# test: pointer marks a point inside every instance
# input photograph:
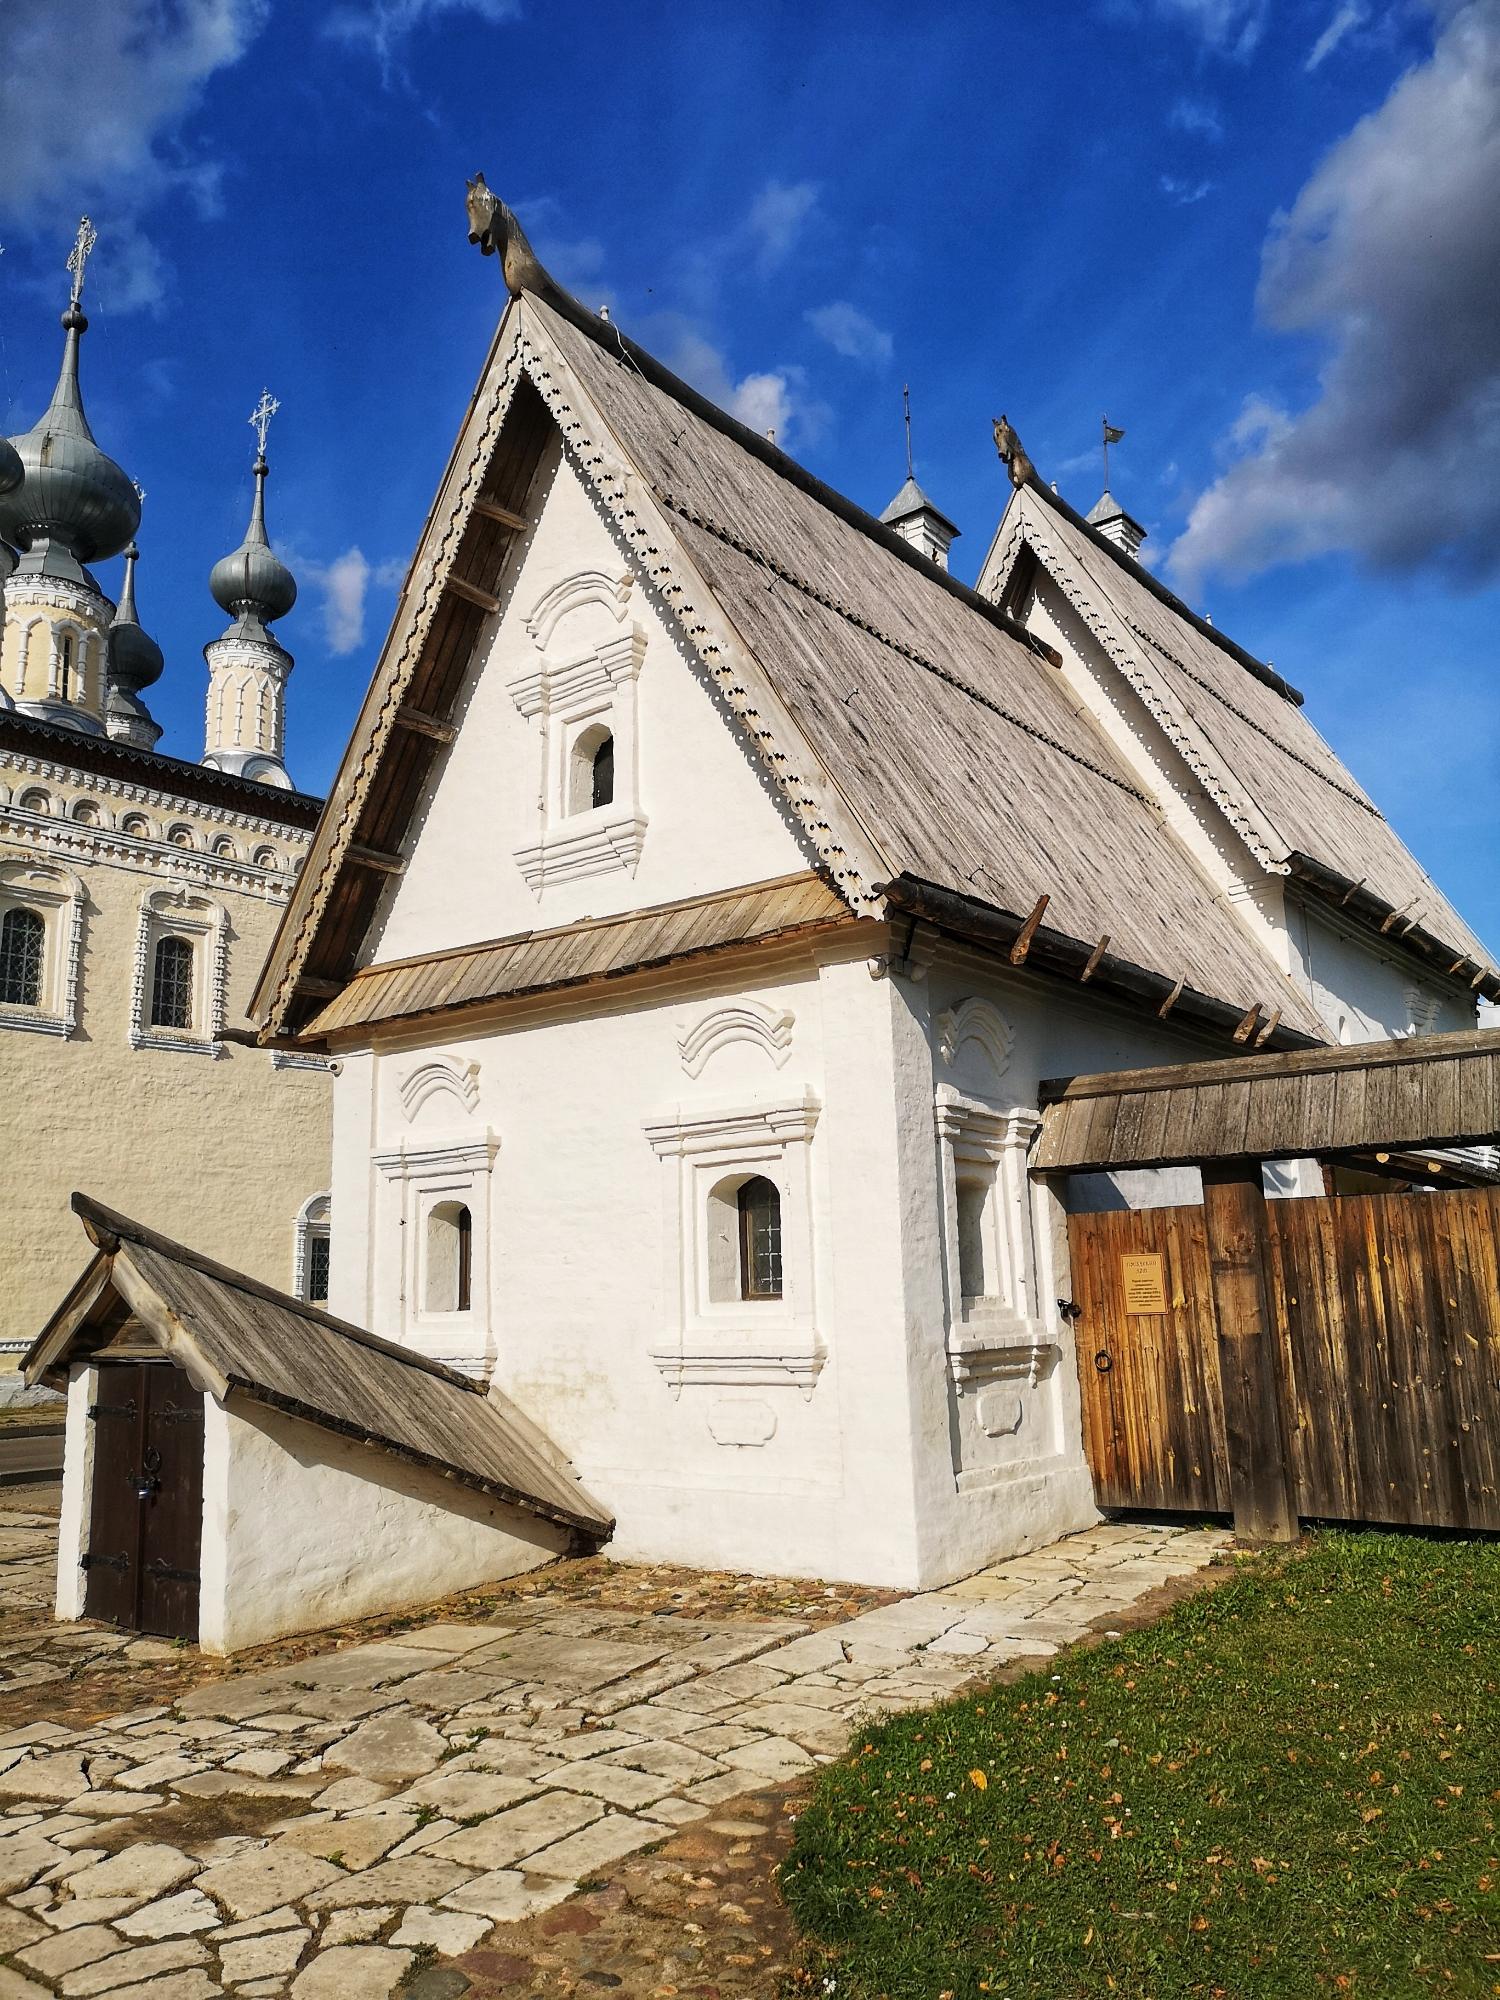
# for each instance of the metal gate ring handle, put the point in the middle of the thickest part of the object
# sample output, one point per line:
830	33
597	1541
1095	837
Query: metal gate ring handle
1103	1362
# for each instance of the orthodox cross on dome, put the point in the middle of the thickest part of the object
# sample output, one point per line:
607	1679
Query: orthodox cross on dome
78	257
260	419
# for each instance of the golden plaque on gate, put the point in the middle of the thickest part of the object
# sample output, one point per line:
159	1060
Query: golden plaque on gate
1144	1280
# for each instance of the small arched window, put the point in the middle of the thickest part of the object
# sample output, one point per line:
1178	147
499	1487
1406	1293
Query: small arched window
265	857
180	836
973	1201
450	1258
224	847
760	1239
22	936
172	984
65	664
592	780
85	812
137	825
35	801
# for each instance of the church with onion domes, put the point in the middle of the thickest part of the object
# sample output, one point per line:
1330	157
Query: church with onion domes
138	891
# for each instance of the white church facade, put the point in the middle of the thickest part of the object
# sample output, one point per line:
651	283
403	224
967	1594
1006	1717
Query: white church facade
711	882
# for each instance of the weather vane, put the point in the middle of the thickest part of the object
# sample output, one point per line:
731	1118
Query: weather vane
1112	435
260	419
906	408
83	243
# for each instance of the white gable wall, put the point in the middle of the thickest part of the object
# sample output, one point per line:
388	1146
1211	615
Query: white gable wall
1360	993
598	654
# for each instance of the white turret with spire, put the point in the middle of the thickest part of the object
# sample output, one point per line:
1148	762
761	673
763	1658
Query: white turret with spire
247	667
913	515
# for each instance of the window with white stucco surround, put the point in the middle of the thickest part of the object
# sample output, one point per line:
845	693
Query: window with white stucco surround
995	1326
582	696
41	946
312	1247
737	1238
181	966
435	1215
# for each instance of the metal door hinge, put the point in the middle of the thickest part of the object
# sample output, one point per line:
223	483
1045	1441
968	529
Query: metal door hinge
165	1571
98	1410
88	1560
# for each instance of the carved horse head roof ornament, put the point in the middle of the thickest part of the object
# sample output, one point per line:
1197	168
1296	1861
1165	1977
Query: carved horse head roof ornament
493	226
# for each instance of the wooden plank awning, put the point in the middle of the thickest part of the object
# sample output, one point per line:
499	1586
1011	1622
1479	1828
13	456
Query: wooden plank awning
576	954
242	1341
1427	1091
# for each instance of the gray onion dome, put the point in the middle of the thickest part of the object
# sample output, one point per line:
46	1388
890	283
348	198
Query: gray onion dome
12	471
253	583
135	659
70	492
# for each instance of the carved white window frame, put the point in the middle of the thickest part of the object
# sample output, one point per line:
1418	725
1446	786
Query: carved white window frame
419	1179
1002	1333
766	1342
56	894
570	692
314	1220
205	926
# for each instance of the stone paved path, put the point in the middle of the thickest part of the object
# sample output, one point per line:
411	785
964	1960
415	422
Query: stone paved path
327	1827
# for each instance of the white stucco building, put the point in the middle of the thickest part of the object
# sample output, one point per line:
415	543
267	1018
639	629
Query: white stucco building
711	881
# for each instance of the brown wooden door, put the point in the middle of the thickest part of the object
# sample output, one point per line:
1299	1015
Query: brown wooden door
1153	1418
145	1526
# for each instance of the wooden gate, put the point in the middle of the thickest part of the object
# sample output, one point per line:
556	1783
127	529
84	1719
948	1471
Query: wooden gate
146	1516
1374	1375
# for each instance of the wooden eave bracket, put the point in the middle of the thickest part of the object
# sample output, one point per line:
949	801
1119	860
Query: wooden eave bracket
493	511
422	724
472	593
1028	931
375	857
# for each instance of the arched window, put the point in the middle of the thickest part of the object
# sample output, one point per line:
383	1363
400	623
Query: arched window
593	770
265	857
22	935
35	801
224	847
180	836
450	1258
137	825
172	984
760	1239
64	664
85	812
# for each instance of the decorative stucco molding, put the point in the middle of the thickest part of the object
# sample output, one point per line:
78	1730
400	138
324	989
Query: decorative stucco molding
765	1343
56	893
982	1150
745	1023
577	593
179	912
981	1022
441	1076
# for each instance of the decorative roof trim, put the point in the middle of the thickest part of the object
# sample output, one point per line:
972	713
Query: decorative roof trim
1120	643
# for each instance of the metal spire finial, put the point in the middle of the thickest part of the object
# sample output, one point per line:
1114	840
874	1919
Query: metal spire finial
906	407
1112	435
78	257
260	419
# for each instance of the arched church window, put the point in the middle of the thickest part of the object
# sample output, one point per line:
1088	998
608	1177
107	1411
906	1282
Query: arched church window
137	825
22	935
603	773
35	801
181	836
760	1239
224	847
65	664
172	984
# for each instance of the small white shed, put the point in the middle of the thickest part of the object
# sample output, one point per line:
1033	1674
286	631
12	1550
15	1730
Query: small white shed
240	1465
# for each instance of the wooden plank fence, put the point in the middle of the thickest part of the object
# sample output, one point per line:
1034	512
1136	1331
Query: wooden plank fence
1355	1375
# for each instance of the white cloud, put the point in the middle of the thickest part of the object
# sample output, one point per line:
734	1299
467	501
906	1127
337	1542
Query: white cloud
776	218
1391	256
1185	193
92	96
764	403
343	587
778	399
1197	116
1349	16
850	332
1230	27
384	27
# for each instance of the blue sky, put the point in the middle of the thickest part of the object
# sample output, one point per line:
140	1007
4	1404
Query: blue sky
1263	235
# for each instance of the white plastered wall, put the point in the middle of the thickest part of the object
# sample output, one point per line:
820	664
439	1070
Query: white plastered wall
77	1491
303	1529
711	822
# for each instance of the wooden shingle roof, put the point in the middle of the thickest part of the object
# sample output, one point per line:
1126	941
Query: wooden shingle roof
241	1340
1247	737
922	742
597	948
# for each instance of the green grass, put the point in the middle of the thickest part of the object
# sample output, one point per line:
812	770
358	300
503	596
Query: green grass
1286	1788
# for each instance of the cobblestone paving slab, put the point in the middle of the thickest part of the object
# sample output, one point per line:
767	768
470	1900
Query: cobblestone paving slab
328	1825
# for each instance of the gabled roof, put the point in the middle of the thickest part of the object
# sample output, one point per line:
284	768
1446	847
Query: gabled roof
241	1340
1242	730
914	731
